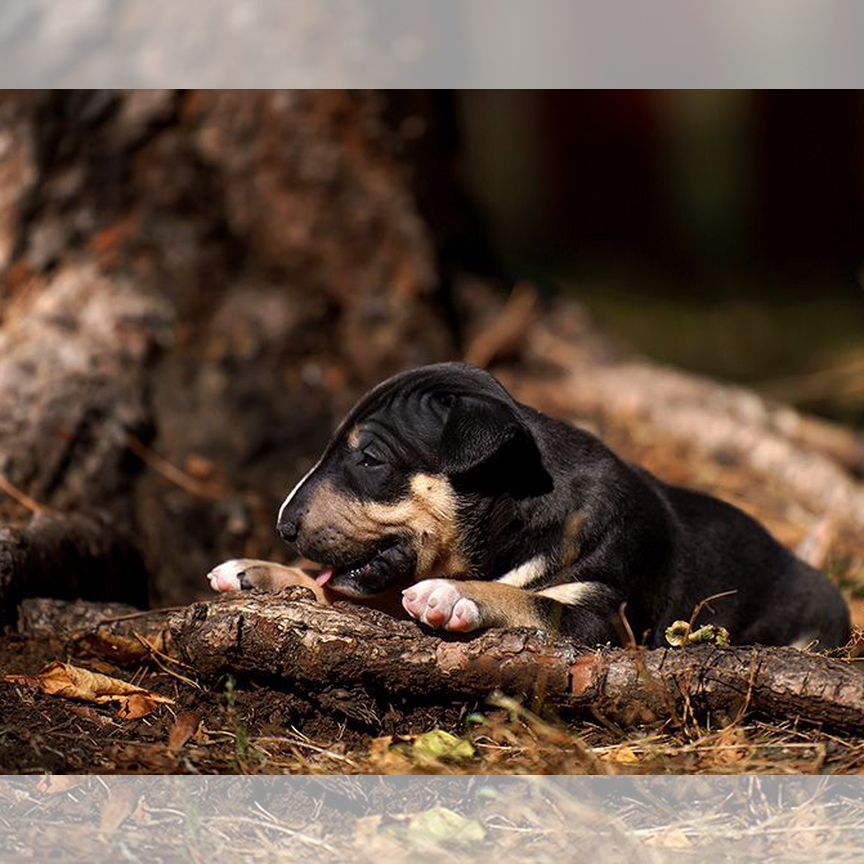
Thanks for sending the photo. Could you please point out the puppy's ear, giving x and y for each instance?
(479, 428)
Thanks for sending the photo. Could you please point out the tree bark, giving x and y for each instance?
(217, 275)
(293, 641)
(74, 352)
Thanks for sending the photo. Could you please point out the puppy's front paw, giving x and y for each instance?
(440, 604)
(229, 576)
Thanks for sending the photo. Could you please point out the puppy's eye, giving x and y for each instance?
(369, 460)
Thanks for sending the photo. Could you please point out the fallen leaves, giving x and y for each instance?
(57, 784)
(431, 751)
(441, 826)
(431, 831)
(118, 649)
(122, 803)
(73, 682)
(185, 727)
(670, 838)
(623, 755)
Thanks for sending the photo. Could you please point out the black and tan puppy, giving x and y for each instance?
(486, 513)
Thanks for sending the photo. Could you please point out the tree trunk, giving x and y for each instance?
(195, 287)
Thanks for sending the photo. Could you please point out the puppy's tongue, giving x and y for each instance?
(325, 576)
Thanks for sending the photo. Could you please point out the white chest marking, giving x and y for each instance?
(526, 573)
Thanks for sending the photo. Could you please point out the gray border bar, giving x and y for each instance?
(634, 819)
(431, 43)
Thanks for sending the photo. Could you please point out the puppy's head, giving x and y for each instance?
(386, 503)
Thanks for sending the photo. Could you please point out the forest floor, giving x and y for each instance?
(233, 726)
(220, 724)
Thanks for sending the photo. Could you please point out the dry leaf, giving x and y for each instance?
(379, 838)
(671, 838)
(441, 826)
(135, 758)
(118, 808)
(121, 650)
(136, 706)
(625, 755)
(185, 726)
(73, 682)
(91, 714)
(56, 784)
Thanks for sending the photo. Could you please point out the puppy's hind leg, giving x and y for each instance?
(241, 574)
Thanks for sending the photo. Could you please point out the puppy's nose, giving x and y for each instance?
(288, 529)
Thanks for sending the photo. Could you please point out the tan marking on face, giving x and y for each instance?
(572, 547)
(427, 514)
(353, 438)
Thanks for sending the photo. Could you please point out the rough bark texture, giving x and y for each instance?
(292, 641)
(74, 352)
(217, 275)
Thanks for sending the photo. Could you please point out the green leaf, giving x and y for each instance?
(440, 746)
(679, 634)
(440, 826)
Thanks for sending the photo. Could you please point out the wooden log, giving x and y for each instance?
(291, 639)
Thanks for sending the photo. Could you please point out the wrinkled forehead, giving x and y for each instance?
(406, 418)
(409, 406)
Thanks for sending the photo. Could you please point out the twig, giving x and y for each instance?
(172, 473)
(504, 336)
(176, 675)
(8, 488)
(281, 829)
(628, 639)
(742, 712)
(140, 614)
(706, 603)
(156, 654)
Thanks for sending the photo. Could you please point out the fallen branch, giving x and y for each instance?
(318, 649)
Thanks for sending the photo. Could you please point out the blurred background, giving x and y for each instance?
(719, 231)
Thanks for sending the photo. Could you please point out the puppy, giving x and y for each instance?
(485, 513)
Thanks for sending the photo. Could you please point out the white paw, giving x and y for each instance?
(440, 604)
(226, 577)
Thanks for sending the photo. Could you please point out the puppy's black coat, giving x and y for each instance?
(507, 517)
